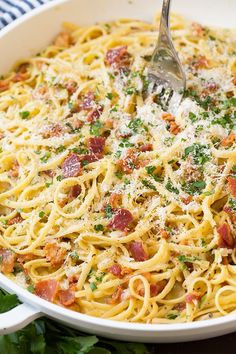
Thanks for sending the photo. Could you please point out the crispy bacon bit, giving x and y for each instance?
(47, 289)
(71, 166)
(225, 237)
(199, 62)
(187, 200)
(164, 234)
(115, 200)
(129, 163)
(115, 270)
(116, 296)
(75, 191)
(146, 147)
(198, 30)
(4, 85)
(94, 114)
(232, 186)
(14, 171)
(174, 127)
(192, 297)
(16, 220)
(229, 140)
(121, 220)
(89, 158)
(118, 57)
(66, 297)
(210, 87)
(54, 253)
(96, 145)
(137, 251)
(180, 307)
(157, 288)
(231, 213)
(234, 81)
(63, 40)
(49, 173)
(52, 130)
(18, 77)
(7, 260)
(22, 258)
(71, 87)
(88, 102)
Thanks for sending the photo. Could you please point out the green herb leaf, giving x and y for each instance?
(93, 286)
(169, 186)
(98, 227)
(95, 128)
(148, 184)
(24, 114)
(41, 214)
(108, 211)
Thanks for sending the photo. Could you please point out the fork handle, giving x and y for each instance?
(165, 16)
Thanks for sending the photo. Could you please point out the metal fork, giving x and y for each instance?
(166, 77)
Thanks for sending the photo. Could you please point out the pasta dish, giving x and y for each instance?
(109, 205)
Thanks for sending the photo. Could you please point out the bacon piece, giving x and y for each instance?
(115, 200)
(54, 253)
(199, 62)
(52, 130)
(22, 258)
(229, 140)
(71, 166)
(75, 191)
(174, 127)
(192, 297)
(4, 85)
(18, 77)
(146, 147)
(225, 237)
(129, 163)
(164, 234)
(232, 186)
(210, 87)
(198, 30)
(234, 81)
(7, 260)
(96, 145)
(94, 114)
(71, 87)
(180, 307)
(89, 158)
(115, 270)
(88, 102)
(121, 220)
(63, 40)
(137, 251)
(66, 297)
(47, 289)
(187, 200)
(16, 220)
(14, 171)
(49, 173)
(118, 58)
(231, 213)
(116, 296)
(157, 288)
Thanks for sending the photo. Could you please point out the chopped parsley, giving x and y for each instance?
(125, 143)
(148, 184)
(184, 259)
(193, 117)
(45, 157)
(119, 174)
(169, 186)
(74, 255)
(93, 286)
(200, 153)
(151, 172)
(135, 124)
(95, 128)
(172, 315)
(41, 214)
(60, 148)
(24, 114)
(30, 288)
(232, 203)
(108, 211)
(193, 188)
(109, 96)
(98, 227)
